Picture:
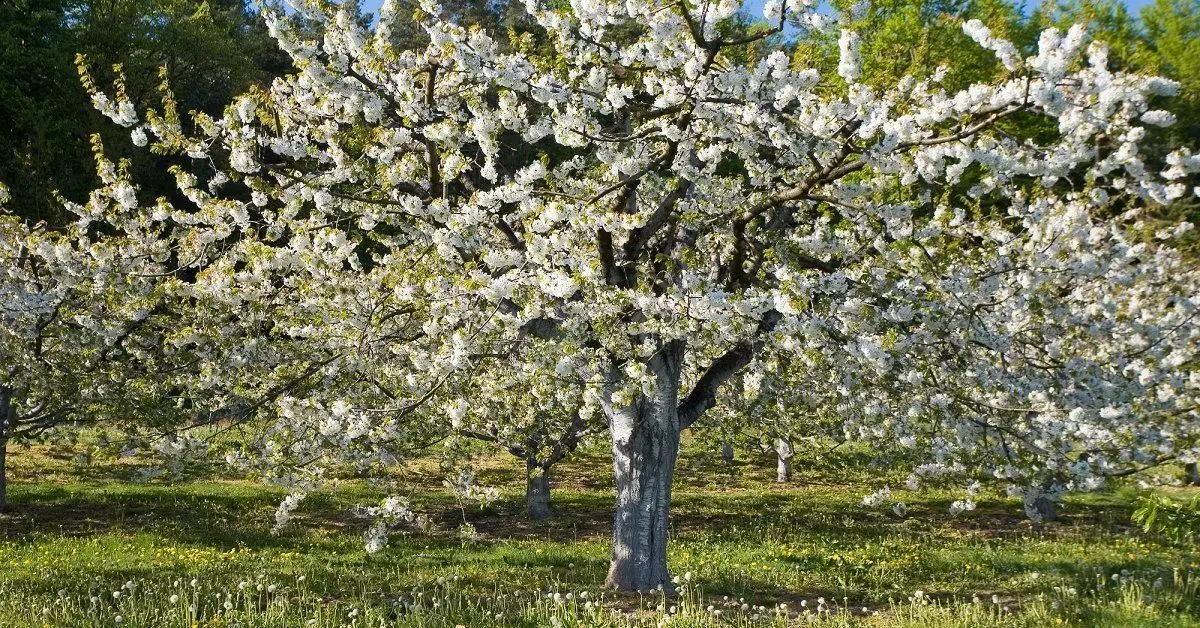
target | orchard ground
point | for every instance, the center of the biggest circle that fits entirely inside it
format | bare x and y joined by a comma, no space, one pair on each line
88,545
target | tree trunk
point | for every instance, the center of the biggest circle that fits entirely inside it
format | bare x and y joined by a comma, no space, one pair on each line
537,491
645,445
6,423
1041,506
1192,470
783,456
727,453
1046,508
3,471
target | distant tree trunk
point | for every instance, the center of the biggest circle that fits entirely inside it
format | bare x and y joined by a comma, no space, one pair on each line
645,446
1045,508
4,472
1192,470
783,456
727,453
1043,505
537,491
6,422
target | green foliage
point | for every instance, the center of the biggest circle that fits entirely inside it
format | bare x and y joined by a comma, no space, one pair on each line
211,49
909,37
43,146
1176,521
1172,33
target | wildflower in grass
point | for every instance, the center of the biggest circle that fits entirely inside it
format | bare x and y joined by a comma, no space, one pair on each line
878,498
962,505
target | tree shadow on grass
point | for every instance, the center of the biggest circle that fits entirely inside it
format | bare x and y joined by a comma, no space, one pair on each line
794,513
226,516
83,509
214,515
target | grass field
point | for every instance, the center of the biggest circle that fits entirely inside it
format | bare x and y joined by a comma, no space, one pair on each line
86,546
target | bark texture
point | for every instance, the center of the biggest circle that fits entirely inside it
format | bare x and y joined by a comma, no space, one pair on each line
1192,470
727,453
1046,508
537,492
7,421
783,457
645,445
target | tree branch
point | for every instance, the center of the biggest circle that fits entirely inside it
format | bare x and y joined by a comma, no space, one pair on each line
704,393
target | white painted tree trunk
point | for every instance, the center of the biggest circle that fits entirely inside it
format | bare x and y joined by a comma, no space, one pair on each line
727,453
645,446
7,416
783,457
537,492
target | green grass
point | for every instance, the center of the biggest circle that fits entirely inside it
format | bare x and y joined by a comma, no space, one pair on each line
80,533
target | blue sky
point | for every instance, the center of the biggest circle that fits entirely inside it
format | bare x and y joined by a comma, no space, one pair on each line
755,6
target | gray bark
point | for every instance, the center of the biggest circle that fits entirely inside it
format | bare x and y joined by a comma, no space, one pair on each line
7,421
1046,508
783,456
727,453
645,445
1192,470
537,492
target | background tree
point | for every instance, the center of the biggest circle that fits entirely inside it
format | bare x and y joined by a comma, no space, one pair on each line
84,338
41,106
528,411
211,49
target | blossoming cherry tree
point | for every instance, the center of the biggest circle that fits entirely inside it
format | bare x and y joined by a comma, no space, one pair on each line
658,213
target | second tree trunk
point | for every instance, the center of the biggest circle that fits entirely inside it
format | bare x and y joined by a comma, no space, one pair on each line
7,419
783,456
537,492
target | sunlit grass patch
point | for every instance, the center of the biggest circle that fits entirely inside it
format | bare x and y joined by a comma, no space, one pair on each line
757,554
